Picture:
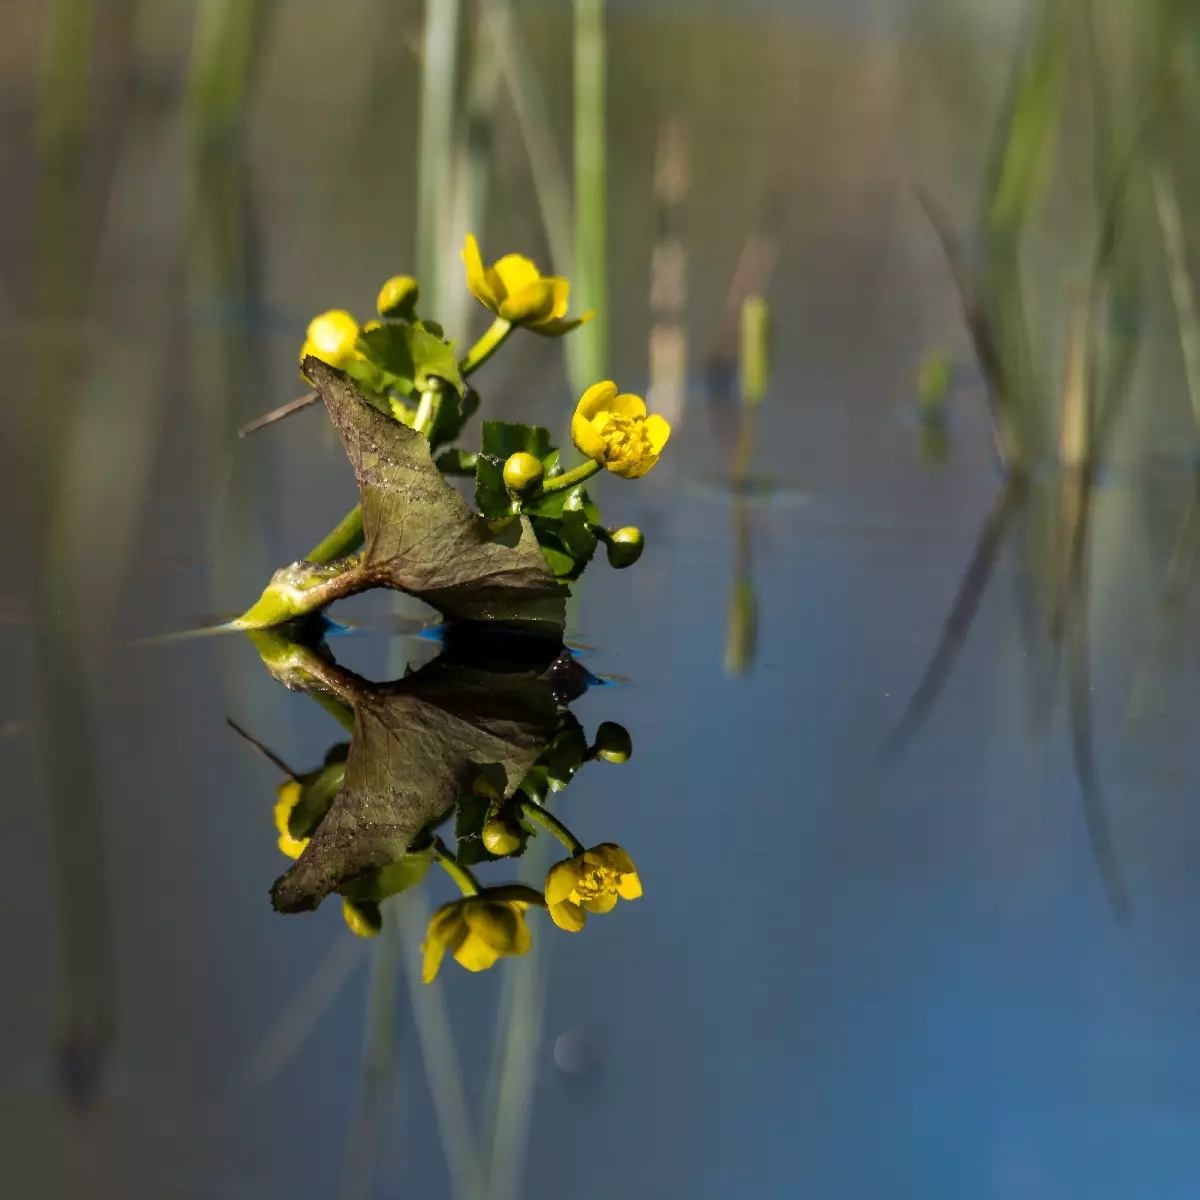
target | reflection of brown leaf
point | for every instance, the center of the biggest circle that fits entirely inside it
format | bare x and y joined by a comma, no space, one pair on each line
420,537
418,744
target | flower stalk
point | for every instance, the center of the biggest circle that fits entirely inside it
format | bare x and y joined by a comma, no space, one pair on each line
551,824
465,881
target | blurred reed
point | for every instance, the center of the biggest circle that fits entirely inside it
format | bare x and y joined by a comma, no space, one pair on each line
587,350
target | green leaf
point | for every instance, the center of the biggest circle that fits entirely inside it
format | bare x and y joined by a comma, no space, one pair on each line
419,744
492,497
317,792
412,355
506,438
391,880
419,535
457,462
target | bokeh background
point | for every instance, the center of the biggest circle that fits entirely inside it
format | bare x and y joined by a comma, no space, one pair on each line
887,948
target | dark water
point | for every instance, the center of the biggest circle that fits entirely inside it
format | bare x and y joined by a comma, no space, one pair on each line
963,973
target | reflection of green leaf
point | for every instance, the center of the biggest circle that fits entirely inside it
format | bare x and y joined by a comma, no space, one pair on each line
317,791
418,745
419,535
413,355
391,880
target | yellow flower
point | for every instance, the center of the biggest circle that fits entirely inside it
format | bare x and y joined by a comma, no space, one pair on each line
477,931
615,431
288,797
331,338
513,288
590,882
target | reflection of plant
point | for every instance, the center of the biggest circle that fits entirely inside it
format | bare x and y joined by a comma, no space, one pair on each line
402,397
483,743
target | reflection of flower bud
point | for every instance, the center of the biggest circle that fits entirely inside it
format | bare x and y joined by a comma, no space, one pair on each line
625,547
501,837
522,471
363,917
398,297
741,629
613,743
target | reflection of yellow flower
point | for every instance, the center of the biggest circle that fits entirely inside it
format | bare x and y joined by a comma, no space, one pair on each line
513,288
477,931
331,338
615,431
289,797
362,916
590,882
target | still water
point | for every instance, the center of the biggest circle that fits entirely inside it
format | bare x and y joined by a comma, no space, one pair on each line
964,969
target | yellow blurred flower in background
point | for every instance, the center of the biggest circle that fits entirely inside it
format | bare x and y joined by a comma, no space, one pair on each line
514,289
288,796
590,882
478,931
614,430
331,338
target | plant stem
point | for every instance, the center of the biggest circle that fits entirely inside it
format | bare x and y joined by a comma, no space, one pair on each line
569,479
552,825
341,541
467,883
491,341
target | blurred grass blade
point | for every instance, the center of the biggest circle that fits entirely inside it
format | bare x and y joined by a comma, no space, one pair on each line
225,42
380,1044
1170,222
438,1051
435,147
587,349
958,624
303,1011
524,87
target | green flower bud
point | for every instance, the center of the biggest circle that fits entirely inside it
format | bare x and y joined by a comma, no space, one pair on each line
625,547
363,917
613,743
522,472
501,837
398,297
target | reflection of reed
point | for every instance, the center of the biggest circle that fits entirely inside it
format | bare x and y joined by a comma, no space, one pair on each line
668,274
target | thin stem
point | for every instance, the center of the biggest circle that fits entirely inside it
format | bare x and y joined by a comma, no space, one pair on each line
423,421
491,341
569,479
552,825
467,883
341,541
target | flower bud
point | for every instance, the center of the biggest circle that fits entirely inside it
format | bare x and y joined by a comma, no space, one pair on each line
522,472
613,743
398,297
363,917
331,337
625,547
501,837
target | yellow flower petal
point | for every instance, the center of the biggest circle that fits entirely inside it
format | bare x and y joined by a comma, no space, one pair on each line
291,846
615,858
562,298
557,327
523,941
568,915
587,438
477,279
476,954
602,902
530,304
516,273
627,405
494,923
561,880
288,797
629,887
658,430
598,398
432,954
